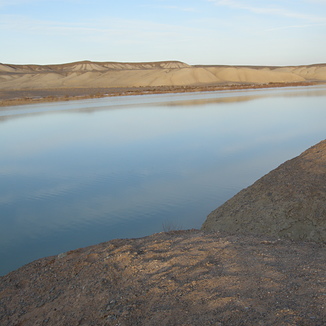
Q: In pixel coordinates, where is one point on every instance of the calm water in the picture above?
(78, 173)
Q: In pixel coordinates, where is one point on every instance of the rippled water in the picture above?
(78, 173)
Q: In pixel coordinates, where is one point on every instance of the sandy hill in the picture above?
(168, 73)
(289, 202)
(192, 277)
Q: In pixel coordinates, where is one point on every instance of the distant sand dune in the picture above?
(168, 73)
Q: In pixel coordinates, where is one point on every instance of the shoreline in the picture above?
(24, 97)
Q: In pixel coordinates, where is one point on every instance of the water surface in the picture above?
(78, 173)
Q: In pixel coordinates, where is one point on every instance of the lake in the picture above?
(78, 173)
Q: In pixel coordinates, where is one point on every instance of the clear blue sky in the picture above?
(254, 32)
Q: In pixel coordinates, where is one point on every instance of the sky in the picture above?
(231, 32)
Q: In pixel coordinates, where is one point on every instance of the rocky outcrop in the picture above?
(289, 202)
(92, 66)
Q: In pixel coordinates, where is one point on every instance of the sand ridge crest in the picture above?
(156, 74)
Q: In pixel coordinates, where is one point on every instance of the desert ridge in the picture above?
(148, 74)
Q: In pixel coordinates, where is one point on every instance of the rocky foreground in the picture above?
(195, 277)
(176, 278)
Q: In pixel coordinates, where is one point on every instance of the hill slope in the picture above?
(148, 74)
(288, 202)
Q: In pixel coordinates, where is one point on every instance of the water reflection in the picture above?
(226, 97)
(108, 168)
(178, 99)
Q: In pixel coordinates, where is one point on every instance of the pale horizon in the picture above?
(172, 60)
(196, 32)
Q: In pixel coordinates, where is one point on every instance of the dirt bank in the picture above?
(175, 278)
(288, 202)
(21, 97)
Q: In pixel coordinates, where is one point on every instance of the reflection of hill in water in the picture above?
(225, 100)
(172, 100)
(245, 98)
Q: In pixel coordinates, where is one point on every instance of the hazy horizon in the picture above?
(197, 32)
(152, 61)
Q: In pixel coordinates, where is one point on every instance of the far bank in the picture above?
(30, 96)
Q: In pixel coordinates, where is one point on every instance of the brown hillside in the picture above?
(88, 74)
(289, 202)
